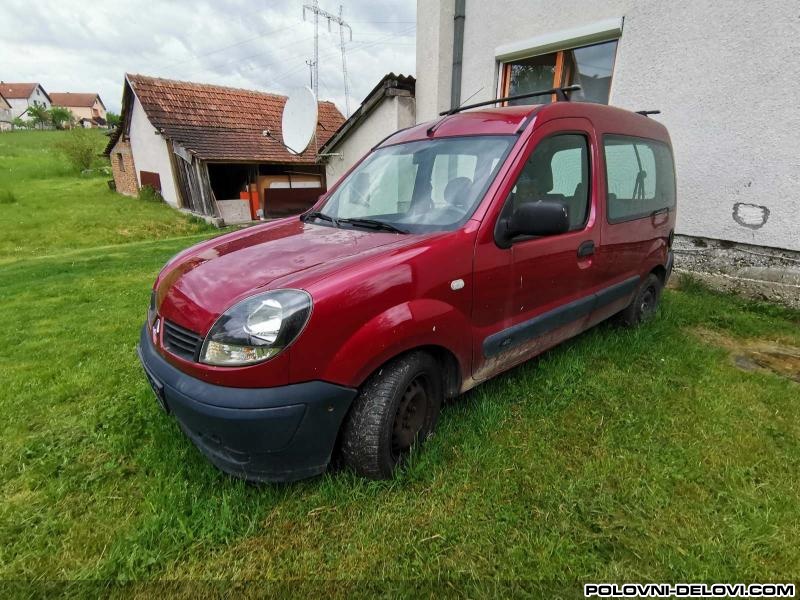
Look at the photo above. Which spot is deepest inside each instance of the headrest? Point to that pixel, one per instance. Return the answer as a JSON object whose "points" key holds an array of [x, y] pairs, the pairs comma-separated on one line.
{"points": [[455, 191], [542, 177]]}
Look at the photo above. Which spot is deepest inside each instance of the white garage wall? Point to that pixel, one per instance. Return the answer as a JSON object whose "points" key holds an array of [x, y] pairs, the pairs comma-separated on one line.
{"points": [[391, 114], [725, 76], [151, 152]]}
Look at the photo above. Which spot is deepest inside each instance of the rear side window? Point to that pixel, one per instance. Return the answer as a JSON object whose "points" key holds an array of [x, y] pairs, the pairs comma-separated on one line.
{"points": [[640, 177]]}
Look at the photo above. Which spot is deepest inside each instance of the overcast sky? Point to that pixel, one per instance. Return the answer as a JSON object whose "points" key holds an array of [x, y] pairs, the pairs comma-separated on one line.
{"points": [[71, 46]]}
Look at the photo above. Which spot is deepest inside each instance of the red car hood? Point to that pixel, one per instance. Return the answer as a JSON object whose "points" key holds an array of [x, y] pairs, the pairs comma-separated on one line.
{"points": [[204, 281]]}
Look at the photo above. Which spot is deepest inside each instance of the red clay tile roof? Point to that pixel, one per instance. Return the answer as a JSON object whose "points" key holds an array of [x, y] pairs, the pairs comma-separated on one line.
{"points": [[74, 99], [17, 90], [222, 123]]}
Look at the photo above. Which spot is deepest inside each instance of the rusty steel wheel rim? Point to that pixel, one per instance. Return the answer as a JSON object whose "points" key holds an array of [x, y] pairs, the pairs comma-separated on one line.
{"points": [[411, 415]]}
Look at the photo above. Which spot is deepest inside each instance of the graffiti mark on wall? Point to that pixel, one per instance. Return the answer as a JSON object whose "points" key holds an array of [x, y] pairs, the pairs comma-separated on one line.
{"points": [[752, 216]]}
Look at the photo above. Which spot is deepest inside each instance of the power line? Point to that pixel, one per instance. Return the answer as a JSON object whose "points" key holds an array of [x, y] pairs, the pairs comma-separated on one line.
{"points": [[366, 46], [223, 48], [399, 22], [299, 61], [319, 12], [256, 55]]}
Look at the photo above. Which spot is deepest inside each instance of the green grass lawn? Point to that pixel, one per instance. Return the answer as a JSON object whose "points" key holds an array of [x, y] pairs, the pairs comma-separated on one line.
{"points": [[46, 208], [619, 456]]}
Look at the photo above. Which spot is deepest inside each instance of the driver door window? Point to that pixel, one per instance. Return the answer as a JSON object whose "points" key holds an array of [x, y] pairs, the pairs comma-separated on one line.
{"points": [[557, 171]]}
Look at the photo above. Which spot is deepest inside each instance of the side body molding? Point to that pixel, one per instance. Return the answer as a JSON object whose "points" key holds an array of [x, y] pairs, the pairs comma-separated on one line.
{"points": [[526, 331]]}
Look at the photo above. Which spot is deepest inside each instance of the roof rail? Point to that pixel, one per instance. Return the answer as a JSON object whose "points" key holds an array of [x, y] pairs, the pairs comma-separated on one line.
{"points": [[644, 113], [560, 92]]}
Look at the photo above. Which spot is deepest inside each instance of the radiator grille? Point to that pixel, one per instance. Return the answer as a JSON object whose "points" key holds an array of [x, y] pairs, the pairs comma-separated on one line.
{"points": [[182, 342]]}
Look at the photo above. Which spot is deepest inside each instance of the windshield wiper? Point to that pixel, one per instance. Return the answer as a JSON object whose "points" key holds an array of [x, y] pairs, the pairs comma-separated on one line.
{"points": [[315, 214], [373, 224]]}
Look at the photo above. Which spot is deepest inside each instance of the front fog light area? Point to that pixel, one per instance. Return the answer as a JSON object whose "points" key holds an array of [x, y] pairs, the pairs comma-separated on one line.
{"points": [[216, 353], [256, 328]]}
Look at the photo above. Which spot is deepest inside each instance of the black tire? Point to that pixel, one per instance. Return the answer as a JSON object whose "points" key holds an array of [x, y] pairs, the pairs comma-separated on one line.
{"points": [[644, 304], [396, 409]]}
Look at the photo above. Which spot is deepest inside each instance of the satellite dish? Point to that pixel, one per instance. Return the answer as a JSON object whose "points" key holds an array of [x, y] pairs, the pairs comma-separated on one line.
{"points": [[299, 123]]}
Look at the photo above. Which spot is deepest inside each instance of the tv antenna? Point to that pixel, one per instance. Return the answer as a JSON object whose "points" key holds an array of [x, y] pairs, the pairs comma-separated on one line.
{"points": [[318, 12]]}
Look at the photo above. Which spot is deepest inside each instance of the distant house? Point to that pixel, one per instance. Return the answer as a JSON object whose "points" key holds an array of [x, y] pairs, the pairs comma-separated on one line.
{"points": [[5, 114], [88, 108], [205, 148], [390, 106], [21, 96]]}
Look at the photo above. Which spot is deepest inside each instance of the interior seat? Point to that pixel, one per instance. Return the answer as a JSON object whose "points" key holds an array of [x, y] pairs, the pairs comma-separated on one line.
{"points": [[578, 205], [456, 192]]}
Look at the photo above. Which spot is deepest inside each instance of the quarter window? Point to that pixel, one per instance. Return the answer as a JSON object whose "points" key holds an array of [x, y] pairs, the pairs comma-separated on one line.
{"points": [[640, 177], [556, 171], [590, 67]]}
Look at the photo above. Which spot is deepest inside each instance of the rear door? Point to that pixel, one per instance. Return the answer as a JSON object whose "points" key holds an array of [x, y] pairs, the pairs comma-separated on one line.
{"points": [[545, 285], [638, 217]]}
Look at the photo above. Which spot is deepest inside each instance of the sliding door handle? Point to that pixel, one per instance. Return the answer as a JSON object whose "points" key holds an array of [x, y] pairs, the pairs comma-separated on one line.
{"points": [[586, 249]]}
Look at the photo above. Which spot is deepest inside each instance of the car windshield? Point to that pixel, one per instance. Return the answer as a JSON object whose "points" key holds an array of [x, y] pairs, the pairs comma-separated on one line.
{"points": [[429, 185]]}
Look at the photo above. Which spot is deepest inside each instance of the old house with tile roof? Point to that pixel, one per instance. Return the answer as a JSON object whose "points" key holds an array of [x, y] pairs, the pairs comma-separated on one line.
{"points": [[21, 96], [6, 119], [87, 108], [205, 149]]}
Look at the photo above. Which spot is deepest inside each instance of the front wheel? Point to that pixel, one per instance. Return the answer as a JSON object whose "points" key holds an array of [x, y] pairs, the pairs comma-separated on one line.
{"points": [[395, 410]]}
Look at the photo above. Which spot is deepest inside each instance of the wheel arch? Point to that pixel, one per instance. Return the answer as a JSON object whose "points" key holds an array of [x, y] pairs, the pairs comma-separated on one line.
{"points": [[423, 324], [661, 272], [451, 370]]}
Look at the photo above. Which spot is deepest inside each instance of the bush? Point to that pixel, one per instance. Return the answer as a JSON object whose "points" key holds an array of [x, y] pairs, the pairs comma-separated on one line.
{"points": [[81, 147], [7, 197], [150, 194]]}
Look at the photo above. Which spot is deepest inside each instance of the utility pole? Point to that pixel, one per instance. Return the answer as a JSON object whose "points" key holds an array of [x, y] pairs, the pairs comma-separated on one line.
{"points": [[318, 12], [311, 64], [342, 26]]}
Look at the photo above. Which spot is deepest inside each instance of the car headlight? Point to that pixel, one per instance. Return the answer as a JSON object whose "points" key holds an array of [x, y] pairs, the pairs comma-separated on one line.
{"points": [[256, 328]]}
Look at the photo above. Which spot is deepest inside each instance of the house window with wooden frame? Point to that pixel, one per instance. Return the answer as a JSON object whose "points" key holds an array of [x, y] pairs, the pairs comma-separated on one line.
{"points": [[591, 67]]}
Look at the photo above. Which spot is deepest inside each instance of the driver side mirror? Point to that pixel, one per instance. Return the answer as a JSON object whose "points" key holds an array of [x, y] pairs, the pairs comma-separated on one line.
{"points": [[534, 218]]}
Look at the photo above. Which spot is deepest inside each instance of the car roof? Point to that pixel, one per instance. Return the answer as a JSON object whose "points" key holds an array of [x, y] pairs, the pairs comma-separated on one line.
{"points": [[510, 120]]}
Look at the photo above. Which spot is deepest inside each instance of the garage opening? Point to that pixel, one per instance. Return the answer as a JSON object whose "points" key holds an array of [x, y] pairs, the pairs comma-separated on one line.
{"points": [[267, 191]]}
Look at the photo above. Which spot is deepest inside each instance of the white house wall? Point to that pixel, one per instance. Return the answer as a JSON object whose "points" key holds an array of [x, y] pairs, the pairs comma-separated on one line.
{"points": [[151, 153], [725, 76], [393, 113], [18, 107]]}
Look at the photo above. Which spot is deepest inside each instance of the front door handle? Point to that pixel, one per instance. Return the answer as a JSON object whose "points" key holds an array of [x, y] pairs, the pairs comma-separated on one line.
{"points": [[586, 249]]}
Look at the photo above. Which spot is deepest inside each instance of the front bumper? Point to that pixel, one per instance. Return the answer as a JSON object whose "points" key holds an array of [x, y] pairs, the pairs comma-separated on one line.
{"points": [[267, 434]]}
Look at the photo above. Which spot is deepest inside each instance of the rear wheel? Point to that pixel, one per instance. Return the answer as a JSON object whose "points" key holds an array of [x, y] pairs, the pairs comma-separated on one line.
{"points": [[644, 304], [395, 411]]}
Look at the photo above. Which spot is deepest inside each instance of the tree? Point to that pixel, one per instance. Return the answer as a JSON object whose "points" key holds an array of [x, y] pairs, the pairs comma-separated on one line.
{"points": [[82, 147], [39, 114], [61, 117], [113, 119]]}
